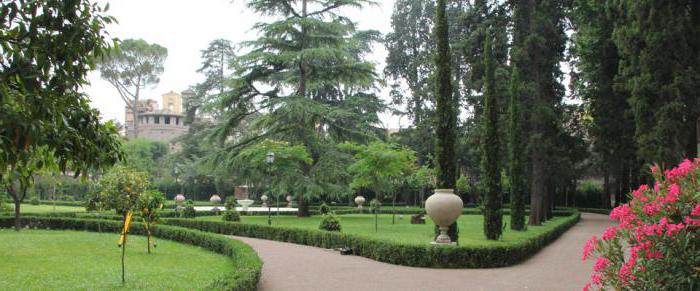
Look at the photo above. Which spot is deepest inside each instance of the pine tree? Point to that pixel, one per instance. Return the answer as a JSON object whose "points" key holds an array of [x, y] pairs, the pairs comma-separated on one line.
{"points": [[516, 155], [304, 81], [491, 178]]}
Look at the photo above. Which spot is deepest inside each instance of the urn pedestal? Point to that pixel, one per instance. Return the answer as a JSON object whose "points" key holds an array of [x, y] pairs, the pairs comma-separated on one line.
{"points": [[444, 207]]}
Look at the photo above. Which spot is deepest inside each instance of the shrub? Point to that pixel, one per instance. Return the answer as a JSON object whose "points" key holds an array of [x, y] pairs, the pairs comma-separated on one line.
{"points": [[324, 209], [230, 202], [34, 201], [414, 255], [231, 215], [656, 244], [330, 222], [188, 211], [247, 264]]}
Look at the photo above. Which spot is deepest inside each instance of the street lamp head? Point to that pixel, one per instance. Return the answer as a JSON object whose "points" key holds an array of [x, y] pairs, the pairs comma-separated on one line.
{"points": [[270, 158]]}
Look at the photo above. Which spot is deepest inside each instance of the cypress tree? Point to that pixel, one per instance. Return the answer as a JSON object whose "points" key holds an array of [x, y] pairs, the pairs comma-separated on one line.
{"points": [[516, 154], [493, 216], [445, 109], [446, 118]]}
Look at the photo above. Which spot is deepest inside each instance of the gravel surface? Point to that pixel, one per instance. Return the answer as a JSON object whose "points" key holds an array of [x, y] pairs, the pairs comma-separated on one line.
{"points": [[556, 267]]}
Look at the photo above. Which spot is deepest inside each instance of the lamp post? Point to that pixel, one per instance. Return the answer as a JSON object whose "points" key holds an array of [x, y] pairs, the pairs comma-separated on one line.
{"points": [[269, 159]]}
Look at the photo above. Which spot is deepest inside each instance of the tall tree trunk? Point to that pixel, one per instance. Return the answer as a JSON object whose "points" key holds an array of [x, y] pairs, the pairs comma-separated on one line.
{"points": [[605, 196], [17, 220], [537, 187], [135, 112]]}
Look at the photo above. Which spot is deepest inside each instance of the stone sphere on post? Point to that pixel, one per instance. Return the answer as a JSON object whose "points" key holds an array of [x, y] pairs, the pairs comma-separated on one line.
{"points": [[215, 199], [264, 198], [179, 200], [289, 200], [444, 207], [359, 200]]}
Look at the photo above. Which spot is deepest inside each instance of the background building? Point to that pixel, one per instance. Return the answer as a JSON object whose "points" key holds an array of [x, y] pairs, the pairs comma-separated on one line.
{"points": [[162, 124]]}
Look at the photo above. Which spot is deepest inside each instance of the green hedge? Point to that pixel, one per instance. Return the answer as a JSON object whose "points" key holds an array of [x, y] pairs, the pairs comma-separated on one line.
{"points": [[247, 264], [392, 252]]}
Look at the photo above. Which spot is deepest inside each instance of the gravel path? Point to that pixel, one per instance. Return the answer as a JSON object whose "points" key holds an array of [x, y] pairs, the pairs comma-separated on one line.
{"points": [[556, 267]]}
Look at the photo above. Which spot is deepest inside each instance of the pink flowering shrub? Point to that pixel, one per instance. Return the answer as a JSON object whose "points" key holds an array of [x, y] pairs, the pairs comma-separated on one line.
{"points": [[656, 244]]}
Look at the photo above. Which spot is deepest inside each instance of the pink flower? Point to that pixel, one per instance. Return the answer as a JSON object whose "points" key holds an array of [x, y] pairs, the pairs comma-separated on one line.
{"points": [[587, 287], [696, 210], [673, 192], [600, 264], [589, 247], [623, 214], [596, 278], [609, 233]]}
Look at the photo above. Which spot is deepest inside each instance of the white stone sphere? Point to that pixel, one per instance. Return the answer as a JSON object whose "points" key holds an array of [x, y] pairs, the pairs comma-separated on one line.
{"points": [[216, 199], [359, 200]]}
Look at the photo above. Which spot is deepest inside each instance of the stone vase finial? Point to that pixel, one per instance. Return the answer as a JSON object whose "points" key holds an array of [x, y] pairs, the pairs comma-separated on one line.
{"points": [[444, 207]]}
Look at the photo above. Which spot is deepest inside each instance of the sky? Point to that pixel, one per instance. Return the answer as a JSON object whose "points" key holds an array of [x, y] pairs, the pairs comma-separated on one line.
{"points": [[186, 27]]}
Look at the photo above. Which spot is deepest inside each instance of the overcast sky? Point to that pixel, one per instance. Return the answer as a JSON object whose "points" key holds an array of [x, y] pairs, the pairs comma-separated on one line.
{"points": [[186, 27]]}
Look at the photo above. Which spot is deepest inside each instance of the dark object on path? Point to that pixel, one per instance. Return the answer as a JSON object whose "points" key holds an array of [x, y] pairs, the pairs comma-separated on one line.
{"points": [[345, 251], [418, 219]]}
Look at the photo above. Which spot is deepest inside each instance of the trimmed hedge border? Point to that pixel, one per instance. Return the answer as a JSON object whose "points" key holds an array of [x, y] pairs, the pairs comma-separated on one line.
{"points": [[248, 265], [392, 252]]}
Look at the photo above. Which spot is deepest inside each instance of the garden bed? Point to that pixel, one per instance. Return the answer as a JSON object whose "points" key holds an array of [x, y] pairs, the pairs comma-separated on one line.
{"points": [[242, 275], [417, 253]]}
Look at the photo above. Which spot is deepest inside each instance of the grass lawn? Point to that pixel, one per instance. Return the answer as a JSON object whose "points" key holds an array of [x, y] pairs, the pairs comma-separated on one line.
{"points": [[470, 227], [28, 208], [73, 260]]}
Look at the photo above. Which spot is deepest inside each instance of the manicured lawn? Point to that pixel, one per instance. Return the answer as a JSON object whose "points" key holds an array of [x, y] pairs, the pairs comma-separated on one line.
{"points": [[72, 260], [28, 208], [43, 208], [470, 228]]}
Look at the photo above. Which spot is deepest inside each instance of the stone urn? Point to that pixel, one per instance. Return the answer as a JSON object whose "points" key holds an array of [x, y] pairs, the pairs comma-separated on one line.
{"points": [[444, 207], [359, 200], [245, 203], [289, 200], [179, 200], [264, 200]]}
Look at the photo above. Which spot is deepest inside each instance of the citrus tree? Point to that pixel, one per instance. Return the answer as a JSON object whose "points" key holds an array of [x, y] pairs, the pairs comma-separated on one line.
{"points": [[121, 190]]}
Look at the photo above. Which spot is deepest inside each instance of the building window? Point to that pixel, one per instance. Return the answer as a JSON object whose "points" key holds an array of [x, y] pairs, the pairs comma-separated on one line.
{"points": [[177, 120], [167, 120], [156, 119]]}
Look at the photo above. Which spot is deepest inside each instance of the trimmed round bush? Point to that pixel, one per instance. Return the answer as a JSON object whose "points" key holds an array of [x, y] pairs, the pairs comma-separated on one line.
{"points": [[330, 222], [324, 209], [189, 211], [34, 201], [231, 215]]}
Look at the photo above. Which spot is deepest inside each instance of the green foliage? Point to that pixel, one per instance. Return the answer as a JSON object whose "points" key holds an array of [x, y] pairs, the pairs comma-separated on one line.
{"points": [[415, 255], [188, 211], [149, 205], [324, 209], [231, 215], [286, 173], [462, 187], [34, 201], [133, 67], [445, 108], [490, 144], [377, 164], [247, 265], [330, 222], [659, 68], [145, 156], [46, 122], [305, 81], [121, 188], [230, 202], [516, 154]]}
